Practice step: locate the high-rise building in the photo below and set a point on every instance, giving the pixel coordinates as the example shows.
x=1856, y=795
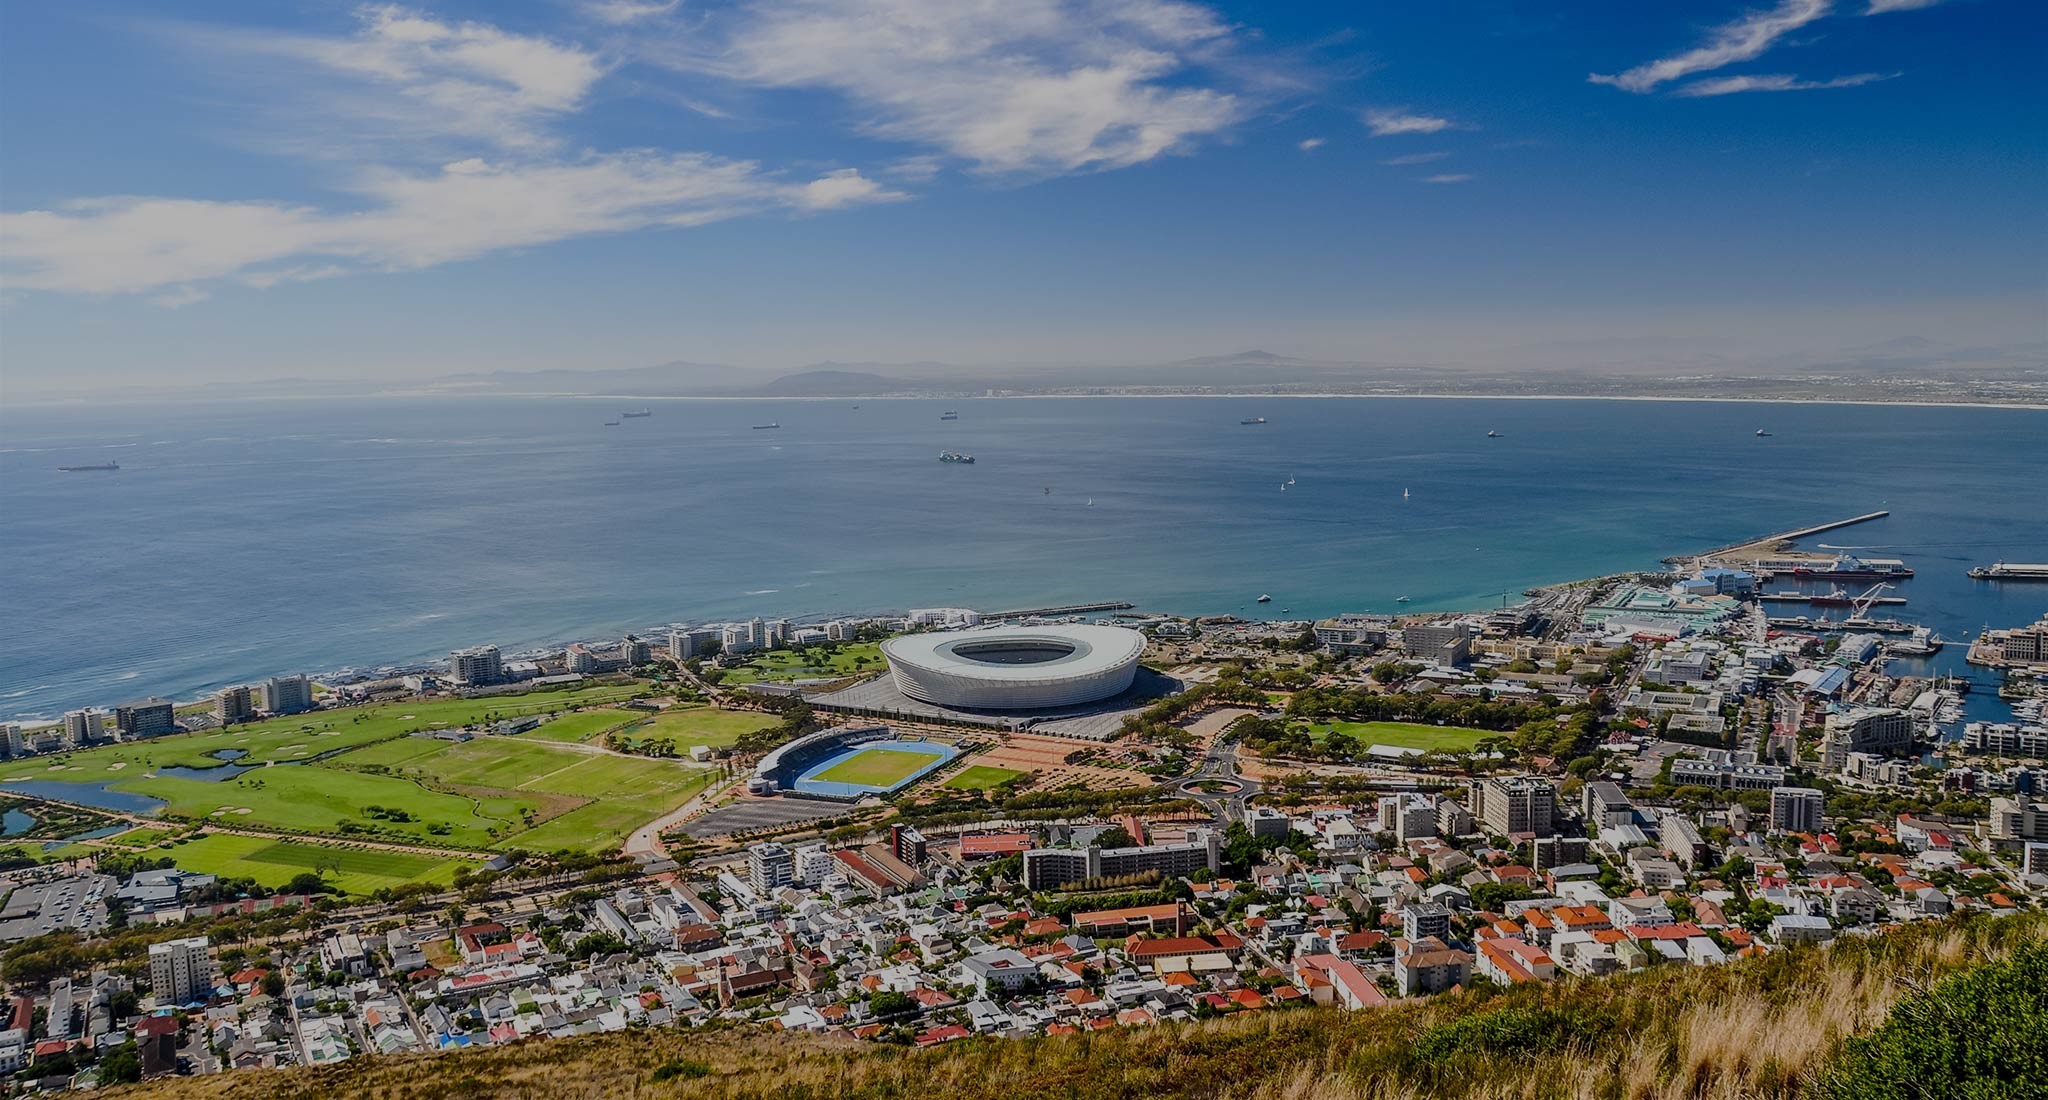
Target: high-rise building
x=1508, y=805
x=233, y=704
x=476, y=666
x=288, y=694
x=147, y=718
x=634, y=652
x=908, y=844
x=578, y=658
x=10, y=739
x=1796, y=810
x=769, y=866
x=180, y=971
x=1052, y=868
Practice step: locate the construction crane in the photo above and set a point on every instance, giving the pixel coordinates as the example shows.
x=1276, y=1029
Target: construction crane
x=1861, y=605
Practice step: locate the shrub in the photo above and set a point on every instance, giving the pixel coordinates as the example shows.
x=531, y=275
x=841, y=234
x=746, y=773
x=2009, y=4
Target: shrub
x=681, y=1067
x=1982, y=1035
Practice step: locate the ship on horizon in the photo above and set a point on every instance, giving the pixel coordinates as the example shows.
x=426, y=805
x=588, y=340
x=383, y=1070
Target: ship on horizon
x=956, y=456
x=89, y=469
x=636, y=415
x=1253, y=420
x=770, y=424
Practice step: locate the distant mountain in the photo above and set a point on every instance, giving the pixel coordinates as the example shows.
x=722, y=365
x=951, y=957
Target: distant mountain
x=830, y=383
x=678, y=377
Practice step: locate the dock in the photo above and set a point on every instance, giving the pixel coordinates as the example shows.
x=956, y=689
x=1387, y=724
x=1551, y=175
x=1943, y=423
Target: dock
x=2008, y=571
x=1070, y=609
x=1809, y=597
x=1784, y=536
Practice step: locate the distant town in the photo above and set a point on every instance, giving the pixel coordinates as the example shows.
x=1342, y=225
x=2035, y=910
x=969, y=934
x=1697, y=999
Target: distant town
x=918, y=828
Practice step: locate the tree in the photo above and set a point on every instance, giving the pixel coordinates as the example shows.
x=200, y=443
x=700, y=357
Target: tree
x=1116, y=836
x=122, y=1067
x=273, y=984
x=1982, y=1035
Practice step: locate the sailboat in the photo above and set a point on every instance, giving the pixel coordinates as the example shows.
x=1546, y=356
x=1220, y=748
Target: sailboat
x=1404, y=494
x=1493, y=435
x=1283, y=486
x=1760, y=433
x=1090, y=504
x=1290, y=480
x=1265, y=599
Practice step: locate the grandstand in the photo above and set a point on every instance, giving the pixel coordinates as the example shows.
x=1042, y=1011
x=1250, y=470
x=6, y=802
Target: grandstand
x=859, y=760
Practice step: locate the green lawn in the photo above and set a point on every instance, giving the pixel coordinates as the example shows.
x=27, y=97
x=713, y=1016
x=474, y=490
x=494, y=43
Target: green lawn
x=142, y=837
x=1411, y=735
x=981, y=777
x=274, y=862
x=323, y=799
x=700, y=725
x=876, y=767
x=852, y=659
x=582, y=725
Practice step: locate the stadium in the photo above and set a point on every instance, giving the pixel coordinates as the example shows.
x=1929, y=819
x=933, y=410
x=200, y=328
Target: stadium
x=1015, y=668
x=848, y=763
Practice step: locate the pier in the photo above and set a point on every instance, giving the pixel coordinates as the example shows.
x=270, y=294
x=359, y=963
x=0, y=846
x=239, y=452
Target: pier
x=1070, y=609
x=1782, y=537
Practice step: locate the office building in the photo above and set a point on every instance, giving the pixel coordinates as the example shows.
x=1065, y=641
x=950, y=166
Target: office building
x=1796, y=810
x=770, y=866
x=1515, y=804
x=180, y=971
x=1721, y=768
x=288, y=694
x=1266, y=823
x=1886, y=731
x=476, y=666
x=233, y=704
x=147, y=718
x=1053, y=868
x=1448, y=644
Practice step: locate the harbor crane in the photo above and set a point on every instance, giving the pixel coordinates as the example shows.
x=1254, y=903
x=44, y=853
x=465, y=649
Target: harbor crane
x=1861, y=605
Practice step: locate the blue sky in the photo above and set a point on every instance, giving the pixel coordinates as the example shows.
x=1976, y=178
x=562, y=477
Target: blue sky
x=260, y=190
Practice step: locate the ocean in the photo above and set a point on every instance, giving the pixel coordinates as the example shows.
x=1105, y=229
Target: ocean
x=245, y=539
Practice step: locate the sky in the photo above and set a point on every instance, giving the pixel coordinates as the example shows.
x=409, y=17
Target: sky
x=259, y=190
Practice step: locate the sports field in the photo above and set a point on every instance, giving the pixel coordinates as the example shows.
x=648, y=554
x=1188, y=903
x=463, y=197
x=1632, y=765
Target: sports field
x=700, y=725
x=1407, y=735
x=981, y=777
x=582, y=725
x=881, y=768
x=815, y=663
x=275, y=862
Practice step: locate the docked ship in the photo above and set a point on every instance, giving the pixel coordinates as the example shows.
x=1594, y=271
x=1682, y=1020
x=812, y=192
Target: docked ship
x=637, y=415
x=765, y=427
x=1920, y=643
x=2001, y=571
x=90, y=469
x=1253, y=420
x=1847, y=568
x=956, y=456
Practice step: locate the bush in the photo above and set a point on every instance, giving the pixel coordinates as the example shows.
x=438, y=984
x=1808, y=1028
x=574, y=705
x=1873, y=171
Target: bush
x=1982, y=1035
x=681, y=1067
x=1505, y=1032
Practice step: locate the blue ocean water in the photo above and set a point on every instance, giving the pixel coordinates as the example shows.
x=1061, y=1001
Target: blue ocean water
x=251, y=538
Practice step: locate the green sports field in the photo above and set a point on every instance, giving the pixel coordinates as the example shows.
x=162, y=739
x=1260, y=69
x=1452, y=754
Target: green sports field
x=1409, y=735
x=875, y=767
x=815, y=663
x=583, y=725
x=275, y=862
x=700, y=725
x=981, y=777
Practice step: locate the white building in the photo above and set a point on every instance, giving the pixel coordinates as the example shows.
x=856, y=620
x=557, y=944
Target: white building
x=475, y=666
x=288, y=694
x=1796, y=810
x=83, y=727
x=769, y=866
x=180, y=971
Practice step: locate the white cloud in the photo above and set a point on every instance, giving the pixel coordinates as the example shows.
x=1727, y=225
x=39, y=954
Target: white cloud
x=1386, y=123
x=406, y=221
x=1414, y=158
x=626, y=11
x=1013, y=86
x=402, y=70
x=1310, y=145
x=1745, y=39
x=1775, y=82
x=1880, y=7
x=1452, y=177
x=179, y=297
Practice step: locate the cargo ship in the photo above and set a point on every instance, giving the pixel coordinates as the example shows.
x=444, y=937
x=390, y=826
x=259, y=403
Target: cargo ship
x=949, y=415
x=770, y=424
x=2000, y=571
x=89, y=469
x=1253, y=420
x=637, y=415
x=1847, y=568
x=956, y=456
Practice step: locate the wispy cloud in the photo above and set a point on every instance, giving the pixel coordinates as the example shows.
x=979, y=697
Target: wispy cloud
x=1388, y=122
x=1010, y=86
x=1310, y=145
x=1745, y=39
x=619, y=12
x=405, y=221
x=1408, y=159
x=1880, y=7
x=1449, y=177
x=1775, y=82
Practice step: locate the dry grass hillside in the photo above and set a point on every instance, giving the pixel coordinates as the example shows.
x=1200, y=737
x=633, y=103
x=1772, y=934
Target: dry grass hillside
x=1757, y=1029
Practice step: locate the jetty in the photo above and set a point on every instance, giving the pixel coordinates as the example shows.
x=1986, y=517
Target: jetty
x=1069, y=609
x=1769, y=542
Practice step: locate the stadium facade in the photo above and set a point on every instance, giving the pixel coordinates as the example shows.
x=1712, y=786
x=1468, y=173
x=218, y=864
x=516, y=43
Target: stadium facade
x=1015, y=668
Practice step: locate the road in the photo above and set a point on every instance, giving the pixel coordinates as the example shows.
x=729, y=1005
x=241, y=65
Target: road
x=1219, y=763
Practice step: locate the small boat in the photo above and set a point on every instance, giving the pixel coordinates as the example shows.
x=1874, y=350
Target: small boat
x=1263, y=598
x=89, y=469
x=1253, y=420
x=765, y=427
x=611, y=423
x=1290, y=481
x=949, y=415
x=1760, y=433
x=1493, y=435
x=1401, y=599
x=637, y=415
x=1090, y=504
x=1404, y=494
x=956, y=456
x=1283, y=486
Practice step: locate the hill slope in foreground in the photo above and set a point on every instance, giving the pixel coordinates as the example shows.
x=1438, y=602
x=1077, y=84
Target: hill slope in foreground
x=1956, y=1010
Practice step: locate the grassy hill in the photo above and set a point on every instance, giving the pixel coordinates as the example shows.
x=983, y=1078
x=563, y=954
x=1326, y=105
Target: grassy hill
x=1758, y=1029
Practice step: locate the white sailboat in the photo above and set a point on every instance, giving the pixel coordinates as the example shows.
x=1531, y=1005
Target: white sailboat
x=1404, y=494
